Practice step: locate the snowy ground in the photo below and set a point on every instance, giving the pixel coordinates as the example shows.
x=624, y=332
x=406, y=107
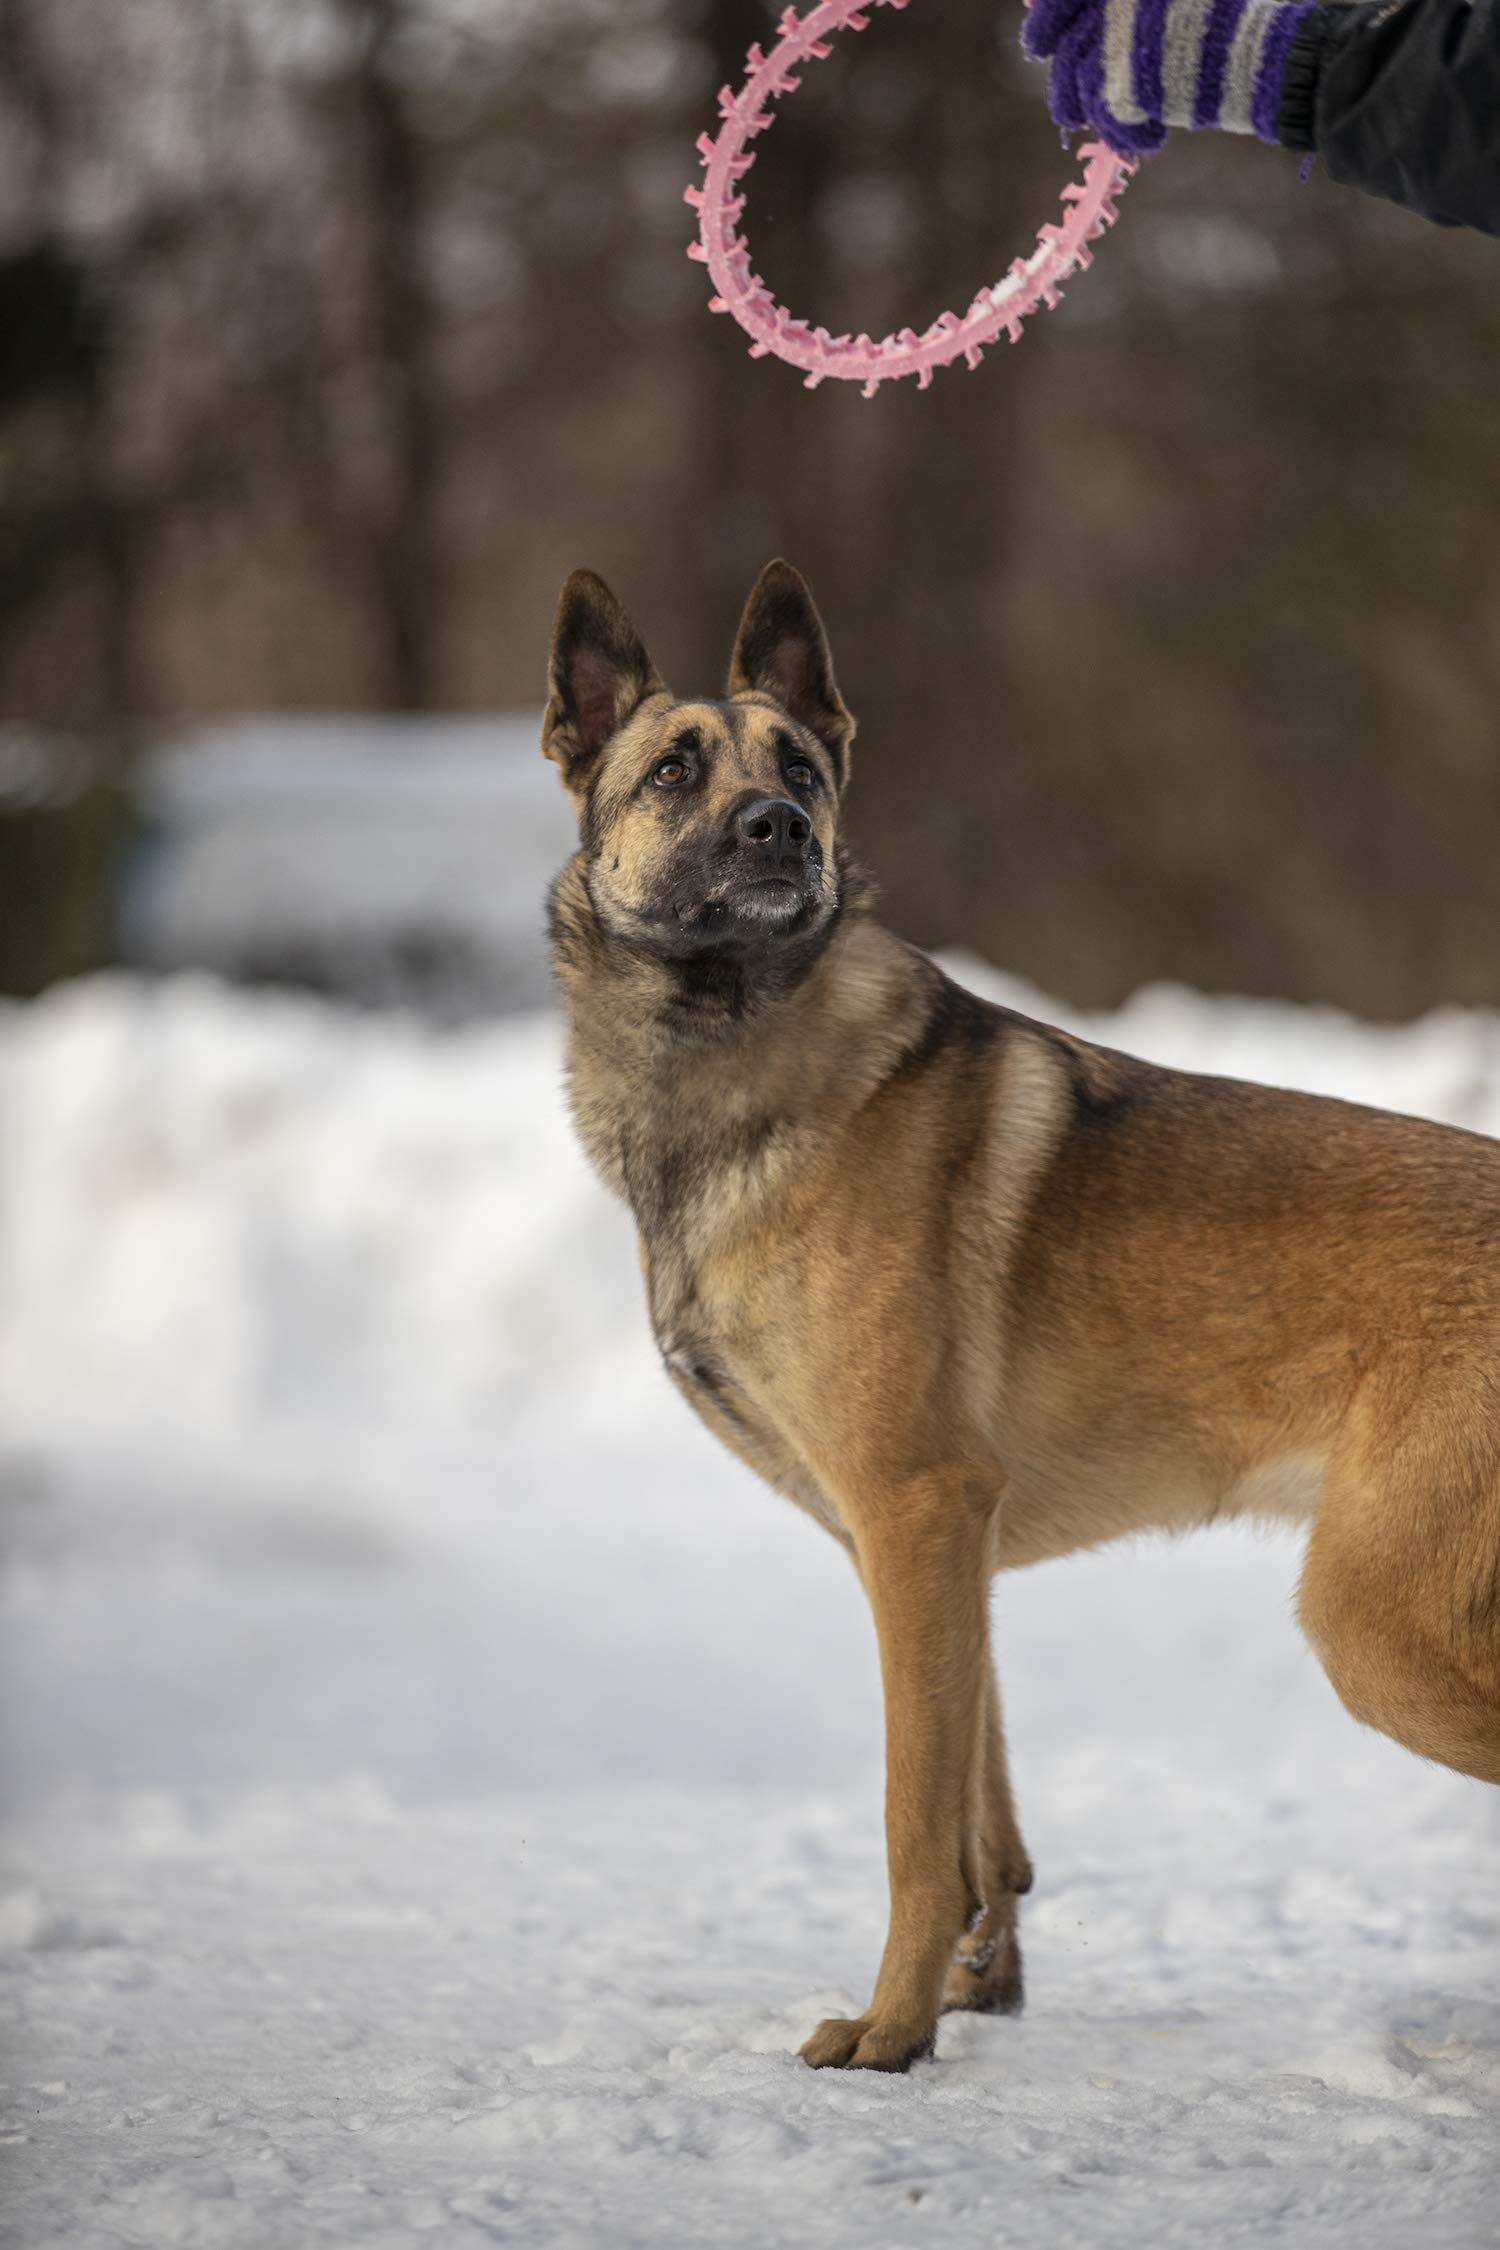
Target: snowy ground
x=442, y=1790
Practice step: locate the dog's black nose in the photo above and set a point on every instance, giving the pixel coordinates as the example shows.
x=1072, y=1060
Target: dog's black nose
x=775, y=826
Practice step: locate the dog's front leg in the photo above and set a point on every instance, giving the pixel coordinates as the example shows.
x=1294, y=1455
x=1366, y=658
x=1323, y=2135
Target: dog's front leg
x=921, y=1553
x=986, y=1976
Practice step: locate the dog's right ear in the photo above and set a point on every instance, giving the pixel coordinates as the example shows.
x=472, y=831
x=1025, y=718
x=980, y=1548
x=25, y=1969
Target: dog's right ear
x=598, y=674
x=782, y=650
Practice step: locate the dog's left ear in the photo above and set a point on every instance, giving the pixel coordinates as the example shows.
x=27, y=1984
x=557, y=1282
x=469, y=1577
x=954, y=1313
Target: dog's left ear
x=597, y=675
x=782, y=650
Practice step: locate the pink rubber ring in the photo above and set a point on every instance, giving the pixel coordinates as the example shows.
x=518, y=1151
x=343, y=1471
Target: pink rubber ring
x=1089, y=206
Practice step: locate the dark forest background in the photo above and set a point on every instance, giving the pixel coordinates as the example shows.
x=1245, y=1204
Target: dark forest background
x=334, y=332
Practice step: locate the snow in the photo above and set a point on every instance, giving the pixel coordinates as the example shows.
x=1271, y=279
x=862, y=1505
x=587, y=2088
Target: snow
x=442, y=1788
x=392, y=858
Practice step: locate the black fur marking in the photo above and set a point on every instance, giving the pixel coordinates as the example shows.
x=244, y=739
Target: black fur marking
x=703, y=1371
x=722, y=989
x=1480, y=1614
x=1100, y=1104
x=573, y=935
x=958, y=1022
x=588, y=819
x=699, y=1371
x=661, y=1179
x=755, y=1137
x=1007, y=1999
x=658, y=1181
x=710, y=984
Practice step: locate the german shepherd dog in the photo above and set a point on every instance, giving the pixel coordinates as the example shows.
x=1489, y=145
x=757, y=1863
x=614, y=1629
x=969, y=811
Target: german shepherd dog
x=973, y=1292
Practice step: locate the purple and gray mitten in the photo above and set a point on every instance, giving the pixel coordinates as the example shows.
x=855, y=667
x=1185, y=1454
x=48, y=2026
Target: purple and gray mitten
x=1127, y=69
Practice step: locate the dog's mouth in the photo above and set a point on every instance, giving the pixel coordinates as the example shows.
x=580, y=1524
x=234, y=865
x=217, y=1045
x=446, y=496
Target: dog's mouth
x=752, y=904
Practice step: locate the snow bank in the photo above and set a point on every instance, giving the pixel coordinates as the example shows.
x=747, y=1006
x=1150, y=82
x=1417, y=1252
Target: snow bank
x=362, y=1231
x=264, y=1220
x=393, y=860
x=443, y=1788
x=267, y=1221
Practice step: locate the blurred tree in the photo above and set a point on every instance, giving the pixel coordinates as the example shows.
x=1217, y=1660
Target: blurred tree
x=66, y=643
x=388, y=170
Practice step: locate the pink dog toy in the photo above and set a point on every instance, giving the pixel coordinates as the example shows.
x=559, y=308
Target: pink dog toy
x=1089, y=207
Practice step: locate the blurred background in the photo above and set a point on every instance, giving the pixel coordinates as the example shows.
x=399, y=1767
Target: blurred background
x=334, y=332
x=438, y=1786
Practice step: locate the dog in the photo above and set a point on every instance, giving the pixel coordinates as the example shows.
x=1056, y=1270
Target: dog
x=974, y=1293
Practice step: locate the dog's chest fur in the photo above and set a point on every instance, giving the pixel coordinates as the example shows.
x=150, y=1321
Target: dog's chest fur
x=714, y=1189
x=718, y=1260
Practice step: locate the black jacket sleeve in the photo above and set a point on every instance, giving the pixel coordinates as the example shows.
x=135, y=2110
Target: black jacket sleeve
x=1402, y=98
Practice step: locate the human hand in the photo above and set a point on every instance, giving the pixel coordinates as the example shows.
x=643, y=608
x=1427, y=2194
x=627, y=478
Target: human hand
x=1128, y=69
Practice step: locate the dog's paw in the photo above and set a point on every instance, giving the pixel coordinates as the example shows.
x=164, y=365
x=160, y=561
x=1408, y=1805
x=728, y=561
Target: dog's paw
x=858, y=2043
x=985, y=1978
x=982, y=1992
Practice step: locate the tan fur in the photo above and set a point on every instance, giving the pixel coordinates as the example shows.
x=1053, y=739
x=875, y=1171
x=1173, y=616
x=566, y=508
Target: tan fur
x=974, y=1293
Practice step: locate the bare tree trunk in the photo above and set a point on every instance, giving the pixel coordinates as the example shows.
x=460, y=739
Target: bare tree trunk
x=66, y=548
x=403, y=552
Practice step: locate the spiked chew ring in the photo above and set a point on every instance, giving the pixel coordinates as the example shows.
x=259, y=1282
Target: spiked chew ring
x=1061, y=249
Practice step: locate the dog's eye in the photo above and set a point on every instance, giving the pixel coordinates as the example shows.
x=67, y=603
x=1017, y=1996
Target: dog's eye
x=800, y=774
x=669, y=773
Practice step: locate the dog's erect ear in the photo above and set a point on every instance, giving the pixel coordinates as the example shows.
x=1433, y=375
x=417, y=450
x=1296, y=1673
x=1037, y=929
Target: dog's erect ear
x=782, y=650
x=599, y=672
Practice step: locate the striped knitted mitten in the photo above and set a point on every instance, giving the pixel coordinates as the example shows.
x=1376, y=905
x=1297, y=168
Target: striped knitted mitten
x=1127, y=69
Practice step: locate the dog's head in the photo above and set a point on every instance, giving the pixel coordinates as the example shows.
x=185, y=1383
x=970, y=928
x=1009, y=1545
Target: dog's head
x=709, y=828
